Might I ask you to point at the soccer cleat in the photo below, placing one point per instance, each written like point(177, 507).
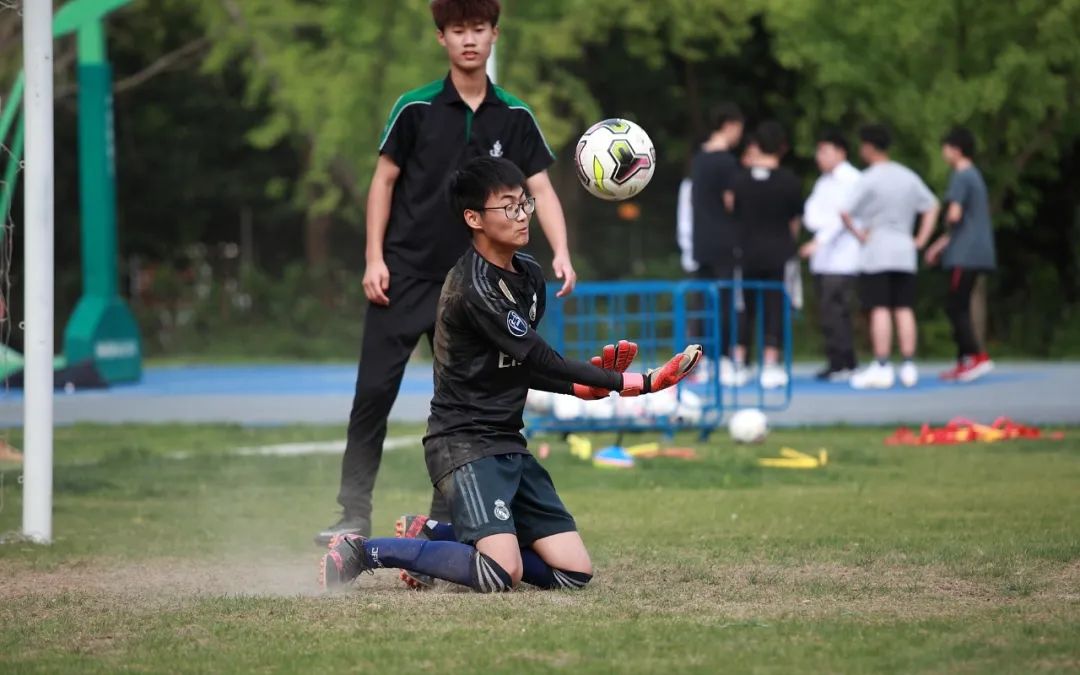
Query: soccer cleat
point(974, 367)
point(909, 374)
point(874, 376)
point(343, 562)
point(348, 524)
point(773, 377)
point(412, 527)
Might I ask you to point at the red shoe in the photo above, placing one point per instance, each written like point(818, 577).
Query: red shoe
point(953, 373)
point(412, 527)
point(974, 367)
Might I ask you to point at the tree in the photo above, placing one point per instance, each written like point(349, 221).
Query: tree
point(1009, 71)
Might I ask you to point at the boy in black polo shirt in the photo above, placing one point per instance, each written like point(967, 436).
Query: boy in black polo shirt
point(766, 202)
point(413, 239)
point(509, 522)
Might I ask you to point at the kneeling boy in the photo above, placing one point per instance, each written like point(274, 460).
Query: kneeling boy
point(508, 519)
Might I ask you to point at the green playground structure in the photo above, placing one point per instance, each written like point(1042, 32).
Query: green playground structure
point(102, 330)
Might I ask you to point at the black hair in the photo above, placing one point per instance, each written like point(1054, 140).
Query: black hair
point(876, 135)
point(771, 138)
point(962, 139)
point(723, 113)
point(471, 185)
point(834, 137)
point(446, 12)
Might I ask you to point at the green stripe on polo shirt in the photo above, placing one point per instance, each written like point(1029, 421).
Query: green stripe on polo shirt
point(420, 96)
point(515, 103)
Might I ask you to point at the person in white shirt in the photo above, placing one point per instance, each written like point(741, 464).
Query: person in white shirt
point(887, 200)
point(684, 227)
point(833, 253)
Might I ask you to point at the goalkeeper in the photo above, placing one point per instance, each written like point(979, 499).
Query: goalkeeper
point(508, 519)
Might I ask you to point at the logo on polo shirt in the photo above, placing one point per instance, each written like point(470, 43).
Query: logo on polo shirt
point(515, 324)
point(496, 150)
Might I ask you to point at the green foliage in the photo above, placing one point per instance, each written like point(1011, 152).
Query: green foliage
point(300, 314)
point(1009, 71)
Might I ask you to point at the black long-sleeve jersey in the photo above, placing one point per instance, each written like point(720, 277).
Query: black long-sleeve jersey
point(487, 356)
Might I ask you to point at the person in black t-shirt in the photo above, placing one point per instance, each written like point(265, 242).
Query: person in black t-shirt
point(413, 239)
point(766, 202)
point(509, 524)
point(715, 238)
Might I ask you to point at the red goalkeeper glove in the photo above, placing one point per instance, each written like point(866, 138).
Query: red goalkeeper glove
point(615, 357)
point(667, 375)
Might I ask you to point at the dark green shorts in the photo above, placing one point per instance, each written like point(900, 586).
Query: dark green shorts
point(500, 494)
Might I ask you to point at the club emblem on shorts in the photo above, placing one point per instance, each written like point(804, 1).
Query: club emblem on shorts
point(500, 510)
point(515, 324)
point(496, 150)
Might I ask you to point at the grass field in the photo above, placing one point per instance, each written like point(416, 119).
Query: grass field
point(173, 555)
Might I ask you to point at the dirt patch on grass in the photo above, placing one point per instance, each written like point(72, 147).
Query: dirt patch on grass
point(723, 593)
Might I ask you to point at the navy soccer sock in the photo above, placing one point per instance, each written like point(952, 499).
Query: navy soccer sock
point(437, 530)
point(536, 572)
point(448, 560)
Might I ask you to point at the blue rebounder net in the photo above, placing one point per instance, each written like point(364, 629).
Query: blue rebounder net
point(662, 317)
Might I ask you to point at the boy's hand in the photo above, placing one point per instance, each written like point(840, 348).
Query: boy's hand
point(667, 375)
point(377, 282)
point(614, 357)
point(565, 271)
point(933, 254)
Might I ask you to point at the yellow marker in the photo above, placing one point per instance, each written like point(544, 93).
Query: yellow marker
point(643, 449)
point(580, 447)
point(793, 459)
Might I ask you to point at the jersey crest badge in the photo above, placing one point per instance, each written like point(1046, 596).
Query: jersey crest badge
point(532, 310)
point(500, 510)
point(496, 150)
point(515, 324)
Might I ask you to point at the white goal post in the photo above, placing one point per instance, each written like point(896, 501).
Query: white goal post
point(38, 259)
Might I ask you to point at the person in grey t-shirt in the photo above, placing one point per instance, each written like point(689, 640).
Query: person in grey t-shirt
point(886, 200)
point(965, 251)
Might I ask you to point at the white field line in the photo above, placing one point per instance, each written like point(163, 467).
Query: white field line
point(300, 449)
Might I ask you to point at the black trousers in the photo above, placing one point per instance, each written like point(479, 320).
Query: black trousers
point(834, 293)
point(390, 335)
point(770, 303)
point(718, 272)
point(958, 308)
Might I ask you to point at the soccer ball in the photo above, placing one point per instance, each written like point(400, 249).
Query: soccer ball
point(615, 159)
point(748, 426)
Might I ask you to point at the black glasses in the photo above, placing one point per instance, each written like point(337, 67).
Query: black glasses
point(512, 211)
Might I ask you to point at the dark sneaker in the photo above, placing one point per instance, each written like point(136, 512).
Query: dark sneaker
point(343, 562)
point(347, 525)
point(833, 374)
point(412, 527)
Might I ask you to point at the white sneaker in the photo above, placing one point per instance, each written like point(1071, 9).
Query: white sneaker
point(874, 376)
point(702, 371)
point(734, 374)
point(909, 374)
point(842, 375)
point(773, 377)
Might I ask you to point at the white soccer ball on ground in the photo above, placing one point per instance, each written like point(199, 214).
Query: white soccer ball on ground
point(615, 159)
point(748, 425)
